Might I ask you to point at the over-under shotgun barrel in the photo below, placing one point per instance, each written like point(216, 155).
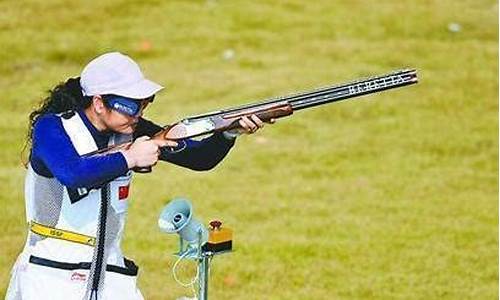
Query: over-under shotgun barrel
point(355, 89)
point(329, 93)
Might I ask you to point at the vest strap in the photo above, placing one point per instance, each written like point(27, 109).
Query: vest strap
point(61, 234)
point(130, 268)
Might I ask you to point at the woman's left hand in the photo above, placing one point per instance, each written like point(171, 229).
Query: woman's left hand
point(252, 124)
point(248, 125)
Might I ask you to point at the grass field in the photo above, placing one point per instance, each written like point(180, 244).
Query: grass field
point(394, 196)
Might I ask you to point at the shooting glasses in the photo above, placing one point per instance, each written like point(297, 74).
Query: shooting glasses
point(127, 106)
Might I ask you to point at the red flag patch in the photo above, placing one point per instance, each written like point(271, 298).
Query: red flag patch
point(123, 192)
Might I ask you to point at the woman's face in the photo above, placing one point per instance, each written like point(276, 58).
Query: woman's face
point(119, 122)
point(113, 120)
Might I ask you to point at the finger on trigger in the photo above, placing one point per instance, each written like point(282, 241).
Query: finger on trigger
point(172, 143)
point(161, 143)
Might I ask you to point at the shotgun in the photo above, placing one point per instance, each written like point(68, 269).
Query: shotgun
point(275, 108)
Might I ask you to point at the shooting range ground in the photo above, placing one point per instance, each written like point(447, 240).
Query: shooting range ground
point(390, 196)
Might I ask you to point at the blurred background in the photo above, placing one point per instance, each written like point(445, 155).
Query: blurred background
point(393, 196)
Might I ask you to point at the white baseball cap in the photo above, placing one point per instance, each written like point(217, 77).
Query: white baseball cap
point(117, 74)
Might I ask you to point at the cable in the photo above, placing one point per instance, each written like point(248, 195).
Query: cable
point(190, 284)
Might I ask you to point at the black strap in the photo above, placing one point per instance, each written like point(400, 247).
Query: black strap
point(100, 240)
point(130, 268)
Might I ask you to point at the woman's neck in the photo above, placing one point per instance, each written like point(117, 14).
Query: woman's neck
point(94, 119)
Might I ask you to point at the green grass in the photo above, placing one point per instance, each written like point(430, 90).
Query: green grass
point(392, 196)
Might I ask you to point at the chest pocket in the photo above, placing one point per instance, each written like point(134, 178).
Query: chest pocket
point(119, 193)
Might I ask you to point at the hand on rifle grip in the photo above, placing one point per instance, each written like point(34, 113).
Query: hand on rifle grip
point(143, 153)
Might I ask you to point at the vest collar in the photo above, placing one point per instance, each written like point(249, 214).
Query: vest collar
point(101, 138)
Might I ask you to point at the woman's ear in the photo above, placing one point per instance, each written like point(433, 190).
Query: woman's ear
point(98, 104)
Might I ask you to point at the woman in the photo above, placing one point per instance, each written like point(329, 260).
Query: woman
point(76, 205)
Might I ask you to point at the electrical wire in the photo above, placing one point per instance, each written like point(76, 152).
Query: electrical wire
point(193, 281)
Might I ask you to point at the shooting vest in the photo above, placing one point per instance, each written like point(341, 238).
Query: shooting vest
point(85, 234)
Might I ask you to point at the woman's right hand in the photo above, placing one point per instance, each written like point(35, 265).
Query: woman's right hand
point(143, 152)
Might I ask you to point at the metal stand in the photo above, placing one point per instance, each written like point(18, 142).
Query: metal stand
point(203, 259)
point(203, 271)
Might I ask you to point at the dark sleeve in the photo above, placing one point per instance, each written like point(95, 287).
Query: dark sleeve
point(199, 155)
point(146, 127)
point(53, 154)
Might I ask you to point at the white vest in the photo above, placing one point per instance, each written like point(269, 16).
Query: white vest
point(48, 203)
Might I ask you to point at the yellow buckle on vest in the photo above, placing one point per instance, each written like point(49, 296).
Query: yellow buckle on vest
point(61, 234)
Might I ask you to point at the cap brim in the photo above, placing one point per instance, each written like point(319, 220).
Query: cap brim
point(140, 90)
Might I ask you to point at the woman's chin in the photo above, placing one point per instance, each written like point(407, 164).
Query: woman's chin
point(127, 130)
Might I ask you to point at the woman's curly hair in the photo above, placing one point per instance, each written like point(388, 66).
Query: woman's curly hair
point(65, 96)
